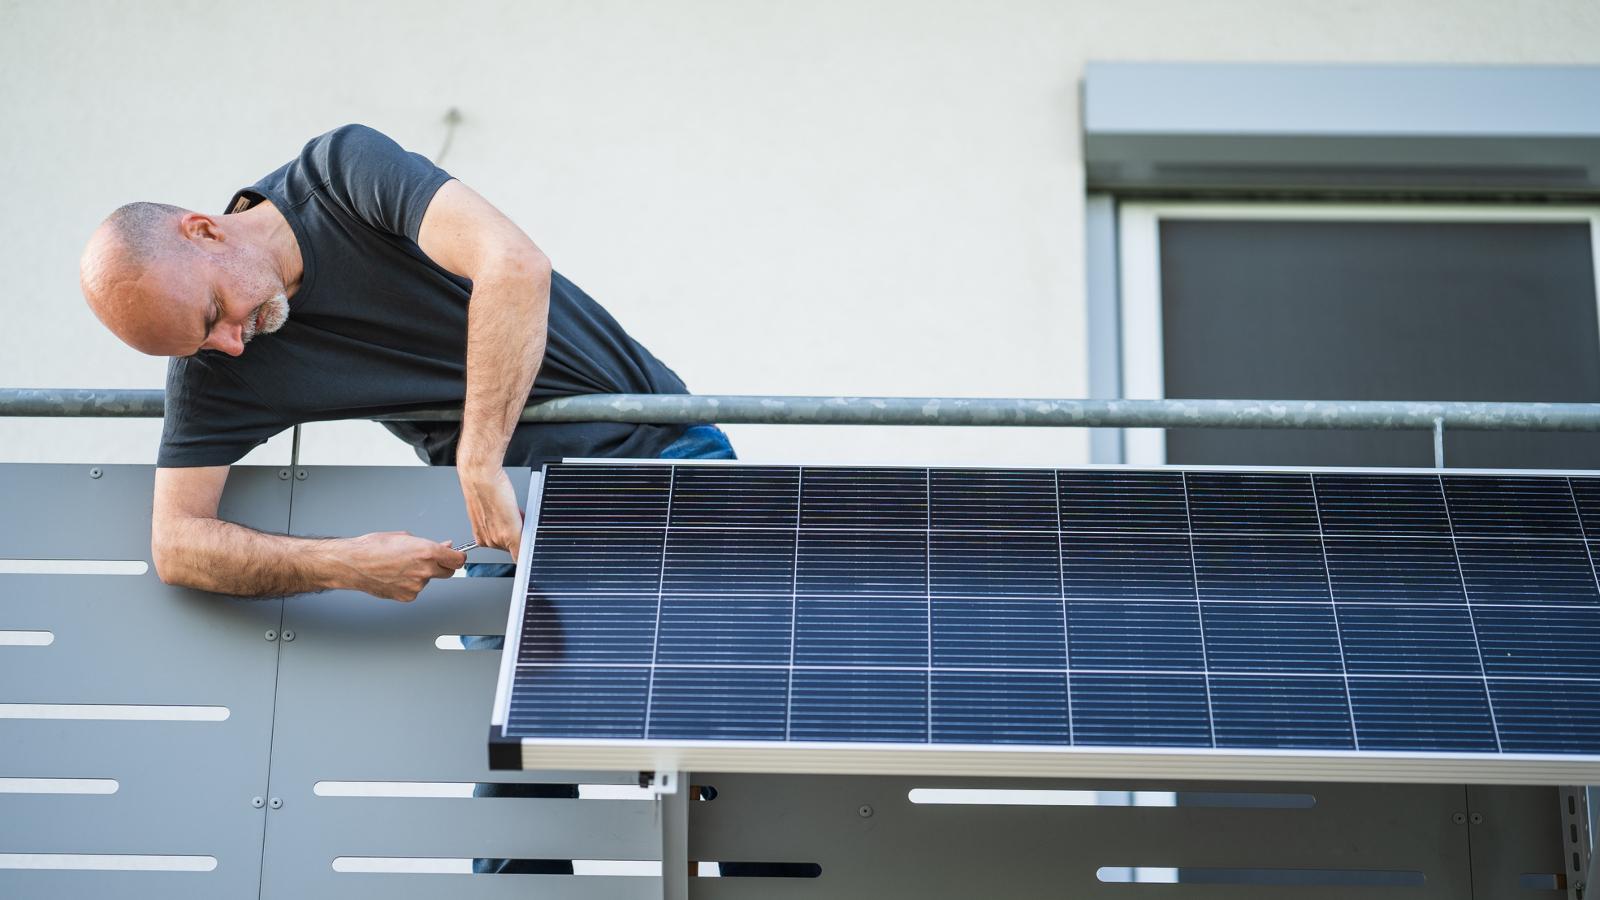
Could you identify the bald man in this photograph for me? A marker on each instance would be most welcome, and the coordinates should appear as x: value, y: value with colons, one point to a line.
x: 358, y: 280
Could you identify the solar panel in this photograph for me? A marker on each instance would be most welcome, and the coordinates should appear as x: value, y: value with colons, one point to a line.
x: 1405, y: 625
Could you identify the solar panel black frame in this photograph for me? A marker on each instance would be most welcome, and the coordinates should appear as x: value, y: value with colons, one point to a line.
x: 1242, y: 686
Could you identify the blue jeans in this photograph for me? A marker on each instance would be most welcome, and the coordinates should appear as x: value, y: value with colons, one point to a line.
x: 699, y: 442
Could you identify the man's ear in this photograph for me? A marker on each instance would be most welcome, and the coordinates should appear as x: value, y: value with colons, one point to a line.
x: 200, y: 228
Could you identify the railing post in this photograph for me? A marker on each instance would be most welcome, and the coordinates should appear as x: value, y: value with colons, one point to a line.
x: 1438, y: 443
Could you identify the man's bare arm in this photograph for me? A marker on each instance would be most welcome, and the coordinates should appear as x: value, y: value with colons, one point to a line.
x: 192, y: 547
x: 506, y: 321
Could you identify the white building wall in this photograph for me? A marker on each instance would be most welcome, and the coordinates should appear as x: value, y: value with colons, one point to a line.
x: 798, y: 198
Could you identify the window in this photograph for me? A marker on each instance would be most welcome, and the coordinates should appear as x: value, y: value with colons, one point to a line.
x: 1360, y: 302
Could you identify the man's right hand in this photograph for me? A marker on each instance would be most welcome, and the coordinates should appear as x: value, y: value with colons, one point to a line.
x: 396, y: 565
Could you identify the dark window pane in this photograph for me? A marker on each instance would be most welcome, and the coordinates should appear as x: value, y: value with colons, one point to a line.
x: 1379, y: 310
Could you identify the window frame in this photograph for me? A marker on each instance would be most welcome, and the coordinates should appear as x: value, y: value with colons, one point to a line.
x: 1139, y: 274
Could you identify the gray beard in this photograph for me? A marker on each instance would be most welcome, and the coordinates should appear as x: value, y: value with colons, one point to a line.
x: 274, y: 313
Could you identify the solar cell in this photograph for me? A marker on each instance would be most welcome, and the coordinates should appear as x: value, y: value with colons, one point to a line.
x: 1355, y: 613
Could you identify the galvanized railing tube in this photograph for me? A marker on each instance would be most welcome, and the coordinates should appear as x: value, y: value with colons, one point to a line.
x: 1018, y: 412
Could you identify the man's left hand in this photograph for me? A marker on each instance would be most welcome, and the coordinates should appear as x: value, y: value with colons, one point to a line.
x: 492, y: 507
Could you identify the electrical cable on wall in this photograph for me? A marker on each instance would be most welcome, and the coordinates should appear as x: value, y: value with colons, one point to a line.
x: 452, y: 118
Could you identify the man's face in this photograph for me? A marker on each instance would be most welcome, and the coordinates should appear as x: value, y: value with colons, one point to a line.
x: 220, y: 301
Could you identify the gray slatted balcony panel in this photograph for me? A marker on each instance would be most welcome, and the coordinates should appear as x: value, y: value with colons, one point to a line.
x: 184, y: 787
x: 936, y: 851
x: 365, y: 695
x: 1512, y: 836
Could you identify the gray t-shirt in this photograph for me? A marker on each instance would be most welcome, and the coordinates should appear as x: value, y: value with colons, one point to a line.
x: 376, y: 327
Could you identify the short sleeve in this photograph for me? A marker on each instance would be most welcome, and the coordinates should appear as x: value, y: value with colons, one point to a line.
x: 375, y: 179
x: 212, y: 418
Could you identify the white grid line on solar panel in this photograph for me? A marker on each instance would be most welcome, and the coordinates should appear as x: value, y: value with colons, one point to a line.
x: 1583, y: 531
x: 964, y: 529
x: 1052, y: 596
x: 794, y: 607
x: 1200, y: 609
x: 1036, y: 670
x: 927, y: 488
x: 661, y: 586
x: 1070, y: 529
x: 1551, y: 629
x: 1066, y: 627
x: 1483, y: 670
x: 577, y: 463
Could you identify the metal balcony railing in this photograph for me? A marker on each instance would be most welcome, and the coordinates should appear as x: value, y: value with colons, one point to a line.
x: 1419, y: 415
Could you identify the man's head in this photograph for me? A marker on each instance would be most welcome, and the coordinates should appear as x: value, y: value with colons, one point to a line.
x: 171, y: 282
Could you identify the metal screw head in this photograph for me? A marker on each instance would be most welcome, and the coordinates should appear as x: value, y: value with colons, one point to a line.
x: 864, y: 811
x: 1476, y: 818
x: 283, y: 474
x: 288, y: 635
x: 299, y: 474
x: 276, y: 803
x: 95, y: 472
x: 1459, y: 818
x: 271, y: 634
x: 257, y: 802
